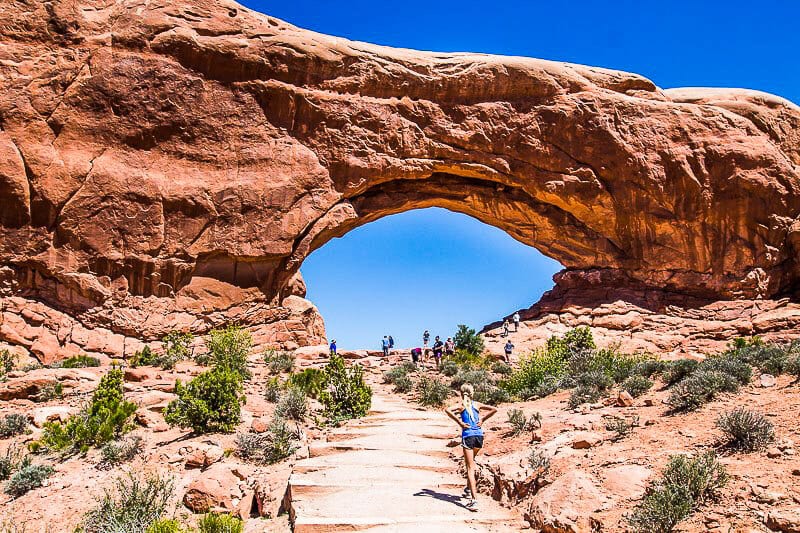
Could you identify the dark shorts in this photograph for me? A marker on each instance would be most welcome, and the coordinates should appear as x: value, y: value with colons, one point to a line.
x: 472, y: 442
x: 437, y: 355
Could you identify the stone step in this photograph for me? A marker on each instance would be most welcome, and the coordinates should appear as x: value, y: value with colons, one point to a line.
x: 372, y: 476
x: 331, y: 448
x: 361, y: 458
x: 411, y: 524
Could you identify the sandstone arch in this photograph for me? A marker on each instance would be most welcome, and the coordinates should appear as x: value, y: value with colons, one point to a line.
x: 174, y: 163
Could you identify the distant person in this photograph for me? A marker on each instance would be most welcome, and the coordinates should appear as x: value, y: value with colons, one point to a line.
x: 385, y: 346
x: 416, y: 355
x: 426, y: 337
x: 449, y: 347
x: 333, y: 347
x: 509, y: 348
x: 516, y: 322
x: 438, y: 348
x: 391, y: 343
x: 468, y: 416
x: 505, y: 328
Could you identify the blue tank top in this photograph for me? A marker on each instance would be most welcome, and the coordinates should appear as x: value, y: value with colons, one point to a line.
x: 472, y: 420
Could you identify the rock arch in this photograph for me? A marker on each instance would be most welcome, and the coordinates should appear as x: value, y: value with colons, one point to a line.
x: 172, y: 165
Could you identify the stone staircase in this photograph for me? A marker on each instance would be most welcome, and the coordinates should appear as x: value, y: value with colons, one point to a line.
x: 389, y: 471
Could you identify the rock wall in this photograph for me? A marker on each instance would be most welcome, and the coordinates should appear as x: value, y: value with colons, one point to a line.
x: 148, y: 147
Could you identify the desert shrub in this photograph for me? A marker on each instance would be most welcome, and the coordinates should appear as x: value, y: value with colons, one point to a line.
x: 132, y: 505
x: 220, y: 523
x: 28, y: 477
x: 492, y: 395
x: 11, y: 461
x: 521, y: 423
x: 13, y: 424
x: 176, y: 346
x: 309, y: 380
x: 467, y: 340
x: 499, y: 367
x: 210, y: 402
x: 403, y: 384
x: 746, y: 430
x: 574, y: 340
x: 549, y: 385
x: 616, y: 365
x: 583, y: 394
x: 275, y: 444
x: 278, y: 361
x: 476, y: 378
x: 228, y: 348
x: 292, y: 405
x: 273, y: 389
x: 117, y: 452
x: 621, y: 427
x: 534, y: 369
x: 106, y: 418
x: 143, y: 357
x: 730, y: 365
x: 686, y: 483
x: 432, y: 392
x: 80, y: 361
x: 793, y: 366
x: 539, y: 463
x: 678, y: 370
x: 449, y: 368
x: 636, y: 385
x: 397, y: 372
x: 700, y: 388
x: 649, y: 367
x: 165, y: 525
x: 52, y: 390
x: 596, y: 379
x: 345, y: 394
x: 7, y: 362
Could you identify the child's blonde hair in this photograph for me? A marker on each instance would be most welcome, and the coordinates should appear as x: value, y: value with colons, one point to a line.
x: 466, y: 399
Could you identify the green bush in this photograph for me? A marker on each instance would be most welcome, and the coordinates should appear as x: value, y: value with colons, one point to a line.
x: 492, y: 395
x: 549, y: 385
x: 432, y: 392
x: 636, y: 385
x: 621, y: 427
x: 746, y: 430
x: 211, y: 402
x: 539, y: 463
x: 117, y: 452
x: 275, y: 444
x: 345, y: 394
x: 132, y: 505
x: 398, y: 372
x: 220, y: 523
x: 468, y: 360
x: 11, y: 461
x: 449, y: 368
x: 52, y: 390
x: 730, y: 365
x: 309, y: 380
x: 7, y: 362
x: 228, y: 348
x: 685, y: 484
x: 80, y: 361
x: 27, y: 477
x: 583, y: 394
x: 596, y: 379
x: 678, y: 370
x: 106, y: 418
x: 521, y: 423
x: 292, y: 405
x: 403, y: 384
x: 501, y: 368
x: 165, y: 525
x: 273, y: 389
x: 467, y: 340
x: 278, y: 361
x: 534, y: 369
x: 176, y: 346
x: 143, y: 357
x: 476, y: 378
x: 700, y: 388
x: 574, y: 340
x: 793, y: 366
x: 13, y: 424
x: 650, y: 367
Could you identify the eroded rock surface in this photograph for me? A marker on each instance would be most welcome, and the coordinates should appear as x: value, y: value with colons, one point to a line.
x: 148, y: 150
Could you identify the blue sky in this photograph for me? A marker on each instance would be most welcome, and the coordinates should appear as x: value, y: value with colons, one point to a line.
x: 433, y: 269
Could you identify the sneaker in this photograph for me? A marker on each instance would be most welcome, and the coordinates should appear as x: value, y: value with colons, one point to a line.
x: 467, y: 493
x: 472, y: 505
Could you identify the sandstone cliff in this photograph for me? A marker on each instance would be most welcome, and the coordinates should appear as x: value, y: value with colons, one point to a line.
x: 171, y: 164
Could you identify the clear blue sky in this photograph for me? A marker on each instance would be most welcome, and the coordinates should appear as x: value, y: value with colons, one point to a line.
x: 434, y: 269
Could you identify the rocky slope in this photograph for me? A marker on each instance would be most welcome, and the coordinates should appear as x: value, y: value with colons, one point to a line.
x: 158, y: 153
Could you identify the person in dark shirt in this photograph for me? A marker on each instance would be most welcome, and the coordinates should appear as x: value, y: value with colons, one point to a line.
x: 333, y: 347
x: 438, y: 348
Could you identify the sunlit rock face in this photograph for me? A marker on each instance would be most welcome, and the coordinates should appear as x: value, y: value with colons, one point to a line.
x: 171, y: 164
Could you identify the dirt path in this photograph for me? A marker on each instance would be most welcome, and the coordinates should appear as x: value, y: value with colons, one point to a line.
x: 390, y: 471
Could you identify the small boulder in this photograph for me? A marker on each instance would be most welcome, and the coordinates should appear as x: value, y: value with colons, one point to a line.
x: 624, y: 399
x: 586, y: 439
x: 774, y: 453
x: 767, y: 380
x: 259, y: 425
x: 139, y: 374
x: 54, y: 413
x: 785, y: 521
x: 204, y: 456
x: 567, y: 505
x: 215, y: 488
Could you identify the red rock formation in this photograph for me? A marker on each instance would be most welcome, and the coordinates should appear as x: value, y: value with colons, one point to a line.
x: 149, y: 151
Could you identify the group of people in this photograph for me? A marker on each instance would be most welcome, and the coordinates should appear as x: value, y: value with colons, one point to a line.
x: 439, y: 349
x: 506, y: 324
